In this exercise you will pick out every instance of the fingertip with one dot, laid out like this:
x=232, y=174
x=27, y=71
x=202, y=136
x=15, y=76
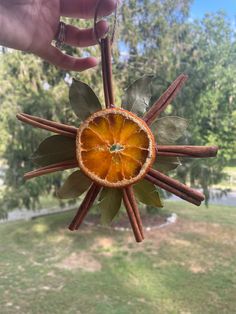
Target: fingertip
x=86, y=8
x=107, y=7
x=85, y=64
x=102, y=28
x=111, y=5
x=92, y=61
x=67, y=62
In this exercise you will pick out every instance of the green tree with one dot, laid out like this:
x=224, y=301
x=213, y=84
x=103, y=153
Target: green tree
x=208, y=100
x=160, y=40
x=153, y=33
x=27, y=85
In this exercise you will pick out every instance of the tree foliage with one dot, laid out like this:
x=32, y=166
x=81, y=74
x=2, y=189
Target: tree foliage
x=160, y=40
x=209, y=100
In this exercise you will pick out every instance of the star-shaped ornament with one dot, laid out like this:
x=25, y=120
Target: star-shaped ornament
x=121, y=154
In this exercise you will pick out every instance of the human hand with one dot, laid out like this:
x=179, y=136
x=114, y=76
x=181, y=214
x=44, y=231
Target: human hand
x=31, y=25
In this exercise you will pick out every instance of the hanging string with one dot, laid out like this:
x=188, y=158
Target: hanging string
x=106, y=55
x=96, y=16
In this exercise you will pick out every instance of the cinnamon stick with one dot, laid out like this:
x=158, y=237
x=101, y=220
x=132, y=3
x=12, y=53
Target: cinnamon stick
x=104, y=75
x=133, y=203
x=187, y=151
x=43, y=125
x=176, y=184
x=85, y=206
x=57, y=125
x=107, y=71
x=51, y=168
x=132, y=217
x=172, y=190
x=165, y=99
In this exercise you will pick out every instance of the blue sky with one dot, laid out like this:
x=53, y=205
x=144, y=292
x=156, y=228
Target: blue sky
x=200, y=7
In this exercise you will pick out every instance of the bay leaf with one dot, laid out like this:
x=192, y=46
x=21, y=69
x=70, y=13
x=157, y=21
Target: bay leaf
x=138, y=95
x=166, y=163
x=54, y=149
x=110, y=202
x=168, y=130
x=83, y=100
x=75, y=185
x=147, y=193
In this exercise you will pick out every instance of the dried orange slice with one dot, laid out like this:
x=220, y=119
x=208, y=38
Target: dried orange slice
x=114, y=147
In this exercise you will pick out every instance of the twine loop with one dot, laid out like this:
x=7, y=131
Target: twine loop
x=96, y=16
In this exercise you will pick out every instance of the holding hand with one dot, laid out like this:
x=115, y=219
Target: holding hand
x=31, y=25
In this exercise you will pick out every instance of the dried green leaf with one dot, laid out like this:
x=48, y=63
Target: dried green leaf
x=83, y=100
x=75, y=185
x=147, y=193
x=110, y=202
x=168, y=130
x=166, y=163
x=54, y=149
x=138, y=95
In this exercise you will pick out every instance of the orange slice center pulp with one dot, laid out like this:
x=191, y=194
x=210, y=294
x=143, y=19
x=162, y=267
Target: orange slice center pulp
x=114, y=147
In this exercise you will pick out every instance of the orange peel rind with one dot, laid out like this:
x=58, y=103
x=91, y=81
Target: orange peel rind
x=115, y=148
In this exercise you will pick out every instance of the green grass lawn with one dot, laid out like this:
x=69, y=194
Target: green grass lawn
x=188, y=267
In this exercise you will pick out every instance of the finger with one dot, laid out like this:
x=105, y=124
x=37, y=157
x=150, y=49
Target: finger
x=86, y=8
x=84, y=37
x=66, y=62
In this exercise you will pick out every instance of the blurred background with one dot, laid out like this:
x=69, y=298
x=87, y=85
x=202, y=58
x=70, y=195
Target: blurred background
x=187, y=263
